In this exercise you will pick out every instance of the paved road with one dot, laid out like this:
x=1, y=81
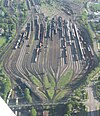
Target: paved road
x=92, y=103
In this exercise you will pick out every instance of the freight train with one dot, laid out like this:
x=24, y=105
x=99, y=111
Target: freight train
x=31, y=25
x=6, y=3
x=28, y=5
x=73, y=51
x=20, y=40
x=27, y=30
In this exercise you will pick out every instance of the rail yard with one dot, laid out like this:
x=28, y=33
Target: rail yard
x=45, y=52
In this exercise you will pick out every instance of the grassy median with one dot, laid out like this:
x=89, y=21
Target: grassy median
x=65, y=79
x=49, y=10
x=2, y=41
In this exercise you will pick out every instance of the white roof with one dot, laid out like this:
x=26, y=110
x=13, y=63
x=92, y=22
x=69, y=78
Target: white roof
x=4, y=109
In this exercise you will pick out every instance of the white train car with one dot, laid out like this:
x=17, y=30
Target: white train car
x=80, y=43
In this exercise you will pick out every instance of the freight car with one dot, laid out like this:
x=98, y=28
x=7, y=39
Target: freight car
x=73, y=51
x=31, y=25
x=28, y=6
x=31, y=1
x=27, y=30
x=80, y=57
x=48, y=30
x=41, y=33
x=6, y=3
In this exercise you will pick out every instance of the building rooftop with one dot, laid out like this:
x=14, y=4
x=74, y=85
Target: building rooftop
x=4, y=109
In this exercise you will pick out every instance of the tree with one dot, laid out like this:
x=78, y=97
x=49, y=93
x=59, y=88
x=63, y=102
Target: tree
x=33, y=112
x=27, y=95
x=98, y=27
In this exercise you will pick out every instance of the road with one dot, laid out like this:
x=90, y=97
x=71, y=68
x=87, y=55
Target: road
x=92, y=103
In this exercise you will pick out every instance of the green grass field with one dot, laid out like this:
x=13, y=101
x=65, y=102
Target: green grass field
x=95, y=7
x=49, y=83
x=48, y=10
x=60, y=94
x=64, y=80
x=2, y=41
x=80, y=1
x=36, y=81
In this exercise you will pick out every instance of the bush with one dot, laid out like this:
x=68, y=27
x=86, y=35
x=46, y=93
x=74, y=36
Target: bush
x=5, y=86
x=33, y=112
x=27, y=95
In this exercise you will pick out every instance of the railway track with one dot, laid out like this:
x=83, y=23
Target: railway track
x=50, y=62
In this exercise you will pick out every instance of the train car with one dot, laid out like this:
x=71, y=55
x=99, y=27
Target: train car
x=45, y=29
x=41, y=33
x=98, y=45
x=22, y=36
x=35, y=20
x=68, y=25
x=31, y=25
x=51, y=34
x=41, y=37
x=73, y=48
x=73, y=33
x=55, y=30
x=28, y=28
x=40, y=45
x=67, y=11
x=55, y=27
x=19, y=40
x=16, y=47
x=90, y=51
x=31, y=2
x=59, y=23
x=78, y=44
x=52, y=24
x=65, y=60
x=28, y=24
x=6, y=3
x=38, y=50
x=69, y=38
x=87, y=66
x=37, y=2
x=84, y=54
x=60, y=33
x=37, y=32
x=63, y=33
x=36, y=59
x=27, y=35
x=28, y=6
x=45, y=113
x=48, y=31
x=73, y=51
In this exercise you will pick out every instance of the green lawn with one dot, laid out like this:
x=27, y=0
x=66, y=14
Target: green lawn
x=60, y=94
x=36, y=81
x=50, y=92
x=95, y=7
x=46, y=82
x=49, y=83
x=48, y=10
x=80, y=1
x=2, y=41
x=64, y=80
